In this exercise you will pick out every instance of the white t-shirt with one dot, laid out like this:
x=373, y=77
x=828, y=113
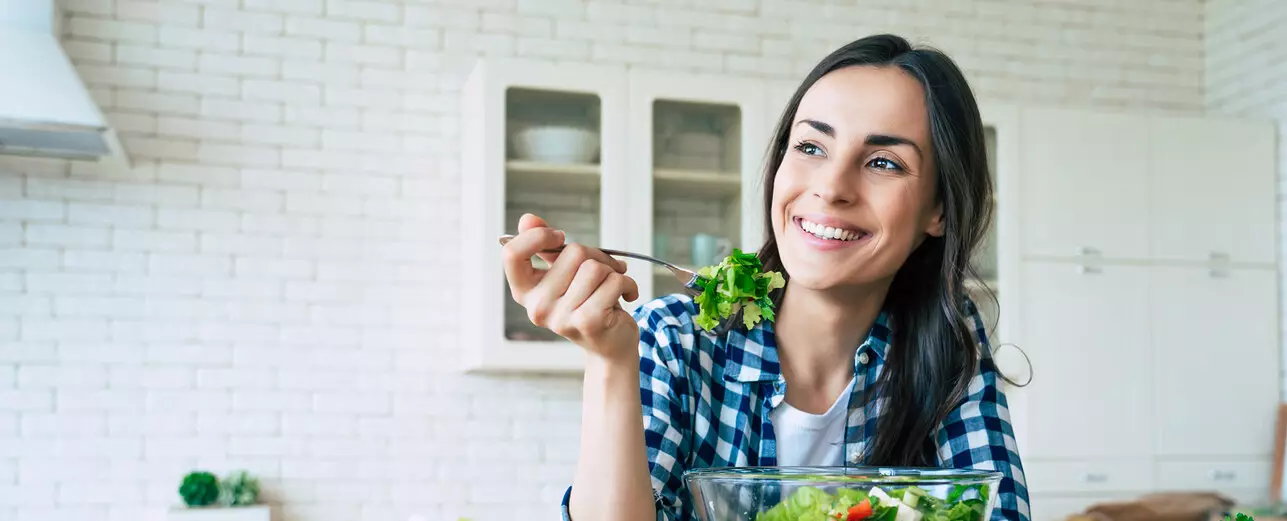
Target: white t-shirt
x=815, y=440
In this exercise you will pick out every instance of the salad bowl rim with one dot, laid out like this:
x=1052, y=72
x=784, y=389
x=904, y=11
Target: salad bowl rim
x=874, y=475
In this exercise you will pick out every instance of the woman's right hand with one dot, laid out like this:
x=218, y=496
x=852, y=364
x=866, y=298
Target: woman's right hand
x=577, y=297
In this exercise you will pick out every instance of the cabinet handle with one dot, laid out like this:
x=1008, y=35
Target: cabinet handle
x=1095, y=477
x=1219, y=265
x=1223, y=475
x=1090, y=261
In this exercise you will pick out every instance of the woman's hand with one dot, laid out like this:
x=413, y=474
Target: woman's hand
x=577, y=297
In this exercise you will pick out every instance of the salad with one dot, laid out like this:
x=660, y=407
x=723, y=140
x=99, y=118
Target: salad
x=908, y=504
x=737, y=283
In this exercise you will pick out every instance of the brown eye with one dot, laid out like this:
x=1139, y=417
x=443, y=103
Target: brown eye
x=882, y=163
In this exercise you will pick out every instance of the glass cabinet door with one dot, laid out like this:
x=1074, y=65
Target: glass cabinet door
x=541, y=138
x=552, y=169
x=696, y=144
x=696, y=176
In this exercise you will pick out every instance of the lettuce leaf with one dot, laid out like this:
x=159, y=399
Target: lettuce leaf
x=736, y=284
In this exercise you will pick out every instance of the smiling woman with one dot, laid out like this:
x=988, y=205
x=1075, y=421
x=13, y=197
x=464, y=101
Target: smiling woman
x=878, y=194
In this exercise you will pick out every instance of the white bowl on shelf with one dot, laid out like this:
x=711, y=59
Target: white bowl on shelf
x=555, y=144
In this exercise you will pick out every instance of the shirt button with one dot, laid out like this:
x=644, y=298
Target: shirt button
x=862, y=358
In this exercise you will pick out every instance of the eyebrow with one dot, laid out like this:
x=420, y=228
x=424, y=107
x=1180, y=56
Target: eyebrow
x=880, y=140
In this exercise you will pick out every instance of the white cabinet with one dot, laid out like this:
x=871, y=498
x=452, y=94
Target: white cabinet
x=1213, y=185
x=1089, y=476
x=1089, y=355
x=1149, y=306
x=551, y=139
x=1215, y=339
x=541, y=138
x=695, y=163
x=1240, y=475
x=1083, y=183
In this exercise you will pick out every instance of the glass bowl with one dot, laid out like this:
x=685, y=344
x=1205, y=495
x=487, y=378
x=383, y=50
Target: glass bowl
x=838, y=494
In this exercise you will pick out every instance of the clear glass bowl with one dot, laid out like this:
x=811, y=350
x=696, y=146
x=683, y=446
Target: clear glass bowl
x=834, y=493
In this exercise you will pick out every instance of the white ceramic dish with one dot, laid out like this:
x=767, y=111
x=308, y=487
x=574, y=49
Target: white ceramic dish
x=556, y=144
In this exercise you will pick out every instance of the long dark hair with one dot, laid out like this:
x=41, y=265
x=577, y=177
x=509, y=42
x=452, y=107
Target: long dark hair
x=933, y=352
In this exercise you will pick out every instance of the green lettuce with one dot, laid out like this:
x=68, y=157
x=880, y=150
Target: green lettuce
x=737, y=283
x=813, y=504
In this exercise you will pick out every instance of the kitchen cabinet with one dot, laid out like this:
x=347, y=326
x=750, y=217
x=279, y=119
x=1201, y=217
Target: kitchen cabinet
x=1148, y=305
x=551, y=139
x=1215, y=340
x=1084, y=180
x=1089, y=476
x=695, y=165
x=1250, y=475
x=1089, y=356
x=543, y=138
x=1212, y=183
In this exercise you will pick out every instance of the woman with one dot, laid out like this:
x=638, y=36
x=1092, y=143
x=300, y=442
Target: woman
x=877, y=192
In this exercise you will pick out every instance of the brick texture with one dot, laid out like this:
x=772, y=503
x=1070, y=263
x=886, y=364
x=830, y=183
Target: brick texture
x=264, y=290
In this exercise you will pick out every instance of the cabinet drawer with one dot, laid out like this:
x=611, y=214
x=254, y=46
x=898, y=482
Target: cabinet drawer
x=1089, y=476
x=1213, y=475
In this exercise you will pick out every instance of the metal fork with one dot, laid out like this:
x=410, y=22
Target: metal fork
x=688, y=278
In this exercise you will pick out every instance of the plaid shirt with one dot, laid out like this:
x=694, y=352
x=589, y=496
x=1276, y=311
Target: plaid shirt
x=706, y=403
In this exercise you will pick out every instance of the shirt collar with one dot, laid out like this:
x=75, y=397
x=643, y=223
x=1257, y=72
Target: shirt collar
x=752, y=356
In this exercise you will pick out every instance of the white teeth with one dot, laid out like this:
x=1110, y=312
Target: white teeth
x=828, y=232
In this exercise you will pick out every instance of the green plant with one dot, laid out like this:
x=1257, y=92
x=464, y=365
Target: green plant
x=199, y=489
x=238, y=488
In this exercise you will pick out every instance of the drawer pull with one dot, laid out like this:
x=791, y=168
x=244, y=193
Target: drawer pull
x=1095, y=478
x=1223, y=475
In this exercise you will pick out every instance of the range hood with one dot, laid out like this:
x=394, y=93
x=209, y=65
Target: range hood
x=45, y=109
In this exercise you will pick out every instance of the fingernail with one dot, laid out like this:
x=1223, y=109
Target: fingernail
x=562, y=236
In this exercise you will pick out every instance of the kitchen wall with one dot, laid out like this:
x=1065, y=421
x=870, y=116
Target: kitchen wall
x=271, y=285
x=1246, y=76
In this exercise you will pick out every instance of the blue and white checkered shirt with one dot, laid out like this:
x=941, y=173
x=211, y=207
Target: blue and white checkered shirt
x=706, y=403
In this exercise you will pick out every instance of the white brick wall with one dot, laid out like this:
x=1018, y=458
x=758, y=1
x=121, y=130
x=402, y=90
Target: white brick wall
x=1246, y=70
x=265, y=288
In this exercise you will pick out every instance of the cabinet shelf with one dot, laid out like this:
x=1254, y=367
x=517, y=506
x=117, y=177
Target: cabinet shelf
x=671, y=182
x=534, y=175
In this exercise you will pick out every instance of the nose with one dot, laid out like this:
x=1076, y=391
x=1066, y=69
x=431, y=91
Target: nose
x=835, y=184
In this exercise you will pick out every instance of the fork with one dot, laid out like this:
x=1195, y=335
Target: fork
x=688, y=278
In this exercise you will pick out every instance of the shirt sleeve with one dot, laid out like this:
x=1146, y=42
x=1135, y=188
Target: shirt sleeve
x=978, y=434
x=664, y=420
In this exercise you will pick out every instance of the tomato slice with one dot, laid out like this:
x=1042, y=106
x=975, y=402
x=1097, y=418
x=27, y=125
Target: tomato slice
x=860, y=511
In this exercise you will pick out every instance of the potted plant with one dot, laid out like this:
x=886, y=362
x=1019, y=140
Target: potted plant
x=209, y=498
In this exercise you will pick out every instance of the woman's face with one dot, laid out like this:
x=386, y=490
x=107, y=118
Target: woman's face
x=855, y=193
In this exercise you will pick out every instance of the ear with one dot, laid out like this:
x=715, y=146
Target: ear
x=934, y=227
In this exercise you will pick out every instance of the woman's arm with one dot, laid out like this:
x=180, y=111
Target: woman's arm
x=578, y=298
x=612, y=479
x=642, y=468
x=978, y=434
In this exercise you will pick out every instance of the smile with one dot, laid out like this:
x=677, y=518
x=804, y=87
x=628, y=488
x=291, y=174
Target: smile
x=829, y=233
